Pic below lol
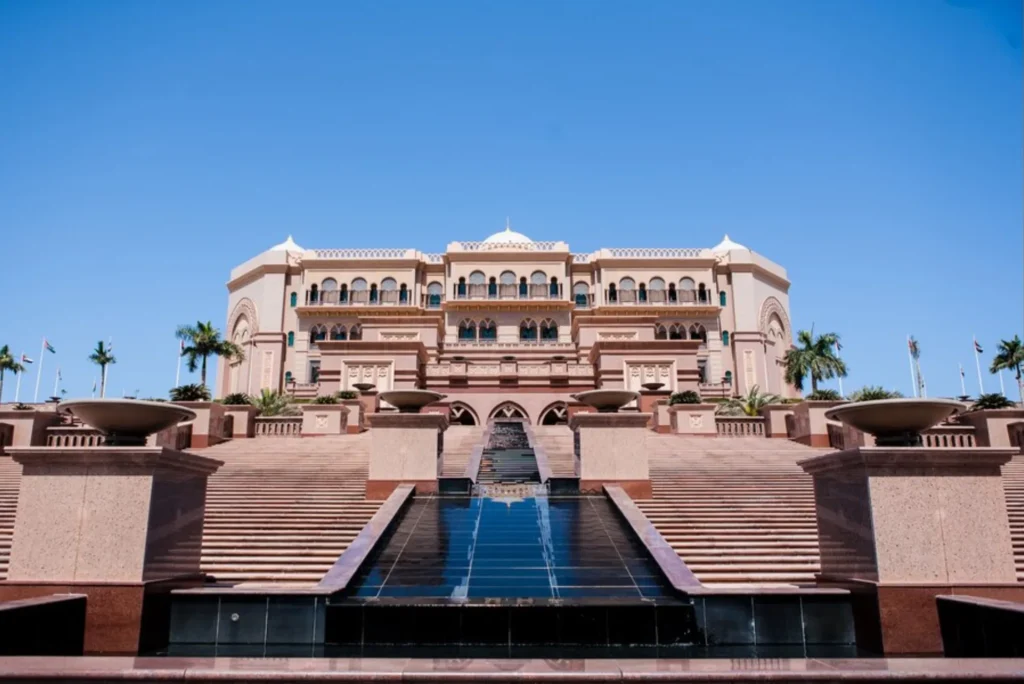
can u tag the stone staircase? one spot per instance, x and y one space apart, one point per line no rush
1013 484
459 441
557 442
10 479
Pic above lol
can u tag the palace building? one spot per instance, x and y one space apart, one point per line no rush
508 326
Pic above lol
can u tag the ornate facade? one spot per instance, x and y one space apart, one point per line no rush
508 326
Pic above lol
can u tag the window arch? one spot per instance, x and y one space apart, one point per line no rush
488 330
316 334
359 284
434 292
548 330
725 338
581 293
702 293
343 293
460 289
613 296
462 414
492 287
509 409
355 332
374 294
554 289
555 414
660 332
728 377
507 278
627 283
687 284
339 332
291 338
294 298
672 297
467 330
477 278
656 284
403 294
314 294
389 284
528 330
287 377
698 332
539 278
677 332
523 287
642 293
329 285
721 298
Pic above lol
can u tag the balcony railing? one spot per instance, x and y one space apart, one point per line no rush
657 297
370 298
739 426
507 292
279 426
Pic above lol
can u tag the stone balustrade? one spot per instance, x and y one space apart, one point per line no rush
739 426
949 436
73 436
279 426
510 368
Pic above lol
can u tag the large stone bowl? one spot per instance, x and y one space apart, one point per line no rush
895 422
410 401
364 386
606 401
127 422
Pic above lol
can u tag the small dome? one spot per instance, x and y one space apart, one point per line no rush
727 245
507 237
287 246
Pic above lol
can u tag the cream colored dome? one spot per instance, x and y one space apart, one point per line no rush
508 237
287 246
727 245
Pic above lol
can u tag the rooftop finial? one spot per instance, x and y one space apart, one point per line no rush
508 225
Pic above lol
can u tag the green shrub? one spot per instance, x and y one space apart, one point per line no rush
236 399
272 403
993 400
825 395
687 397
347 394
327 399
190 393
22 407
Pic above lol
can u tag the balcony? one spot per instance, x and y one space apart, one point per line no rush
359 298
614 297
463 291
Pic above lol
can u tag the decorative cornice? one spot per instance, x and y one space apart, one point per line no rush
770 306
507 305
388 310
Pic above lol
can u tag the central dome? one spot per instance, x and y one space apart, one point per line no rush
508 237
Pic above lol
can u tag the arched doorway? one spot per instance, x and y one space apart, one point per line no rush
462 415
556 414
508 410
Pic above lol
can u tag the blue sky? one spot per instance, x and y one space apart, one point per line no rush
873 148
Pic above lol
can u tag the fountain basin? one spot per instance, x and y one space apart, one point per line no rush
606 401
895 422
653 386
364 386
127 422
410 401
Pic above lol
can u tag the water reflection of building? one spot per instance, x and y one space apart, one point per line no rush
508 326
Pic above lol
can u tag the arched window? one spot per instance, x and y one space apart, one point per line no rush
492 287
613 296
523 287
697 332
702 293
434 292
553 290
721 298
728 377
687 284
725 338
677 332
508 278
355 332
528 330
343 293
642 293
548 330
403 294
488 330
460 289
556 414
461 414
314 294
329 285
294 299
538 277
672 297
287 377
359 293
660 333
373 292
509 410
358 285
291 339
388 284
656 290
467 330
656 284
477 278
581 293
316 334
627 284
339 332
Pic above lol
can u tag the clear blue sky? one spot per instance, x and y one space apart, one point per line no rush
873 148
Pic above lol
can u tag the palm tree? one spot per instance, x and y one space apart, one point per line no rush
202 340
102 357
271 403
1010 357
815 358
873 392
751 404
8 363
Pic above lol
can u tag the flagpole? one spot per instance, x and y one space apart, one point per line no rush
177 373
93 387
1002 388
56 382
39 372
17 385
963 387
913 376
977 361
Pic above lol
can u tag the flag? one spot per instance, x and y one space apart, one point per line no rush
181 347
59 376
94 383
977 347
25 359
961 371
915 350
839 347
48 347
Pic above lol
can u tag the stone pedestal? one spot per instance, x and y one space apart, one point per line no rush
114 523
911 520
612 449
243 420
693 419
775 420
371 404
28 428
355 421
208 427
405 448
649 399
324 419
809 423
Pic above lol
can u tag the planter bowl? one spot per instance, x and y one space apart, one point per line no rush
410 401
895 422
606 401
364 386
652 386
127 422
